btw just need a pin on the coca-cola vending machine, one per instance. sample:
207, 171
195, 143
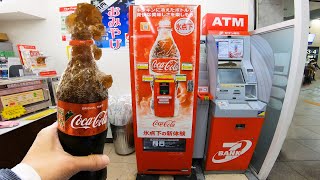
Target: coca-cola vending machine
164, 54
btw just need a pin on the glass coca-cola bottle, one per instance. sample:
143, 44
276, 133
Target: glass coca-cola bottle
83, 91
164, 58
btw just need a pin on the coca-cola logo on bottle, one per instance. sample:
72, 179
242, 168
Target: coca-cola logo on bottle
168, 123
165, 65
78, 122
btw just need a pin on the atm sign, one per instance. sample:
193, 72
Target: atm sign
224, 22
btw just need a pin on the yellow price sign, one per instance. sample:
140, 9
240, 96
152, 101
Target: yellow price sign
147, 78
143, 66
187, 66
181, 78
12, 112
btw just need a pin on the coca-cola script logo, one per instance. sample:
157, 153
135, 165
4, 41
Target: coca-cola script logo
165, 65
78, 122
168, 123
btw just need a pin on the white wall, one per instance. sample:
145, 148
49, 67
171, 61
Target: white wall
46, 35
315, 29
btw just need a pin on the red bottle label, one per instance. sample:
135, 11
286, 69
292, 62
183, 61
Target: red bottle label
82, 119
165, 65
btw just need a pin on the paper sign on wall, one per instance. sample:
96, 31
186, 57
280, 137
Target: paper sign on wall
64, 12
115, 19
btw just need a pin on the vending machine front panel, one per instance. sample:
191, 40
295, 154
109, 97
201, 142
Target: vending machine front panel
164, 55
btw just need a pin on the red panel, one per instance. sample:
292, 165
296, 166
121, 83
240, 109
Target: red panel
163, 162
232, 142
164, 110
224, 22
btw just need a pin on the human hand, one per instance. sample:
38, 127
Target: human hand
47, 157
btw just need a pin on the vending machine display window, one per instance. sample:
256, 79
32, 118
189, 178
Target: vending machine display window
164, 88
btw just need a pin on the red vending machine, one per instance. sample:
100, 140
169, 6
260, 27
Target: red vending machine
164, 55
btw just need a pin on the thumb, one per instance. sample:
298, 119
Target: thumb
93, 162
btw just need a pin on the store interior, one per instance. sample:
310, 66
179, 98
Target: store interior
239, 101
299, 157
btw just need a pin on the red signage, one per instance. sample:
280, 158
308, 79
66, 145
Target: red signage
225, 22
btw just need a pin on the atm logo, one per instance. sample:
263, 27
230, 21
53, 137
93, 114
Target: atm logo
228, 21
235, 150
225, 22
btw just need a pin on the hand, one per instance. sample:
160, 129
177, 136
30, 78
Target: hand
47, 157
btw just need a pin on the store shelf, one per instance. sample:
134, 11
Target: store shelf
21, 10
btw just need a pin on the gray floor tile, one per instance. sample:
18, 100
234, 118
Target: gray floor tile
306, 120
308, 169
315, 129
298, 132
281, 171
306, 112
294, 151
312, 144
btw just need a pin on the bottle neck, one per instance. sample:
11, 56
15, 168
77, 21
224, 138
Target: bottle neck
81, 53
164, 33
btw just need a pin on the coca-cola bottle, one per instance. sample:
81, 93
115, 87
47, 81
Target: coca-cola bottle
83, 91
164, 59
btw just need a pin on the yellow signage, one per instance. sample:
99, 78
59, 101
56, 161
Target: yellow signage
68, 50
228, 85
143, 66
147, 78
164, 77
24, 98
12, 112
41, 114
186, 66
164, 81
261, 114
181, 78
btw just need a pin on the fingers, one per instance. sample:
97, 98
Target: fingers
92, 162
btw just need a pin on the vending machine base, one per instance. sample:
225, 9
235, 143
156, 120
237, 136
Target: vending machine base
164, 156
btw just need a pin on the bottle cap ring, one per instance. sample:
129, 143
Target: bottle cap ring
80, 42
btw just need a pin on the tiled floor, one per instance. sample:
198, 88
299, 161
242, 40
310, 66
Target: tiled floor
120, 167
299, 158
125, 168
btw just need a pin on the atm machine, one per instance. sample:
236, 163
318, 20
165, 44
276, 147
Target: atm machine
237, 115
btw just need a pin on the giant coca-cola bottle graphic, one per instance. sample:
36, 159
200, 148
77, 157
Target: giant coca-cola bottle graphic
164, 59
83, 91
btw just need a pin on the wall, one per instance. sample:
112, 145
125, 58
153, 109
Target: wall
314, 5
270, 12
315, 29
45, 34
